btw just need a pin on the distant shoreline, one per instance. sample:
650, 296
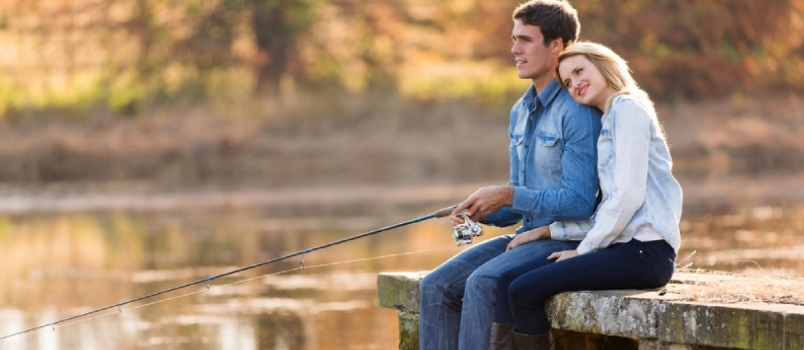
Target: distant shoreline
415, 145
701, 195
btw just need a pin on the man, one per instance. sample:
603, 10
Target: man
553, 178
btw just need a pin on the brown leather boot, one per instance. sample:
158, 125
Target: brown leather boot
533, 342
501, 338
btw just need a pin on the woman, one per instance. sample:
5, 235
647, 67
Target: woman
632, 239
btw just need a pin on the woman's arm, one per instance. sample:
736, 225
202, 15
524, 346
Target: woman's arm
631, 138
570, 230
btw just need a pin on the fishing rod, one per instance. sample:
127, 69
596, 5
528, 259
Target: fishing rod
460, 232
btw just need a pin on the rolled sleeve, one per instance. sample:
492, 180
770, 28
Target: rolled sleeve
570, 230
502, 218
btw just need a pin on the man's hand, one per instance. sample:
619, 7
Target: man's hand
483, 202
563, 255
529, 236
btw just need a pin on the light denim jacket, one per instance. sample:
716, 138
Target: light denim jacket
553, 160
636, 180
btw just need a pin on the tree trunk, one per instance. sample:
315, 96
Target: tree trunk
274, 42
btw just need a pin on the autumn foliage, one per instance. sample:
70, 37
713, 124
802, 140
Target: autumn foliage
127, 55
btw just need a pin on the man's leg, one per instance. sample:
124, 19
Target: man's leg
442, 294
481, 290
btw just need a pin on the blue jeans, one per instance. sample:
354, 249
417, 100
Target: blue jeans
458, 297
631, 265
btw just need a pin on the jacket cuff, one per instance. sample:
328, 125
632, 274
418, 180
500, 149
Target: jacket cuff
585, 248
570, 230
522, 200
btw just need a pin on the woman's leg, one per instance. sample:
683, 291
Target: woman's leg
631, 265
531, 256
480, 292
502, 310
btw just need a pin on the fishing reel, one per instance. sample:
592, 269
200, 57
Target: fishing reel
463, 233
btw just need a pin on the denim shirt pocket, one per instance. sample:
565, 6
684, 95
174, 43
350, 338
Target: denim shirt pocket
548, 151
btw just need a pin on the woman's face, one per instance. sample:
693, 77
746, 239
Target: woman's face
584, 81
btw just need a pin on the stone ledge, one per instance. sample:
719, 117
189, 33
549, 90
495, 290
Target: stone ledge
652, 320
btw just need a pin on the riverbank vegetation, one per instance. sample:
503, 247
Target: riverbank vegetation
378, 140
276, 92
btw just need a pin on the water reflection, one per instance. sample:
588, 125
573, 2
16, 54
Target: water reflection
764, 240
59, 265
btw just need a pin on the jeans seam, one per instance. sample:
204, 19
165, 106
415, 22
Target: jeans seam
650, 275
594, 272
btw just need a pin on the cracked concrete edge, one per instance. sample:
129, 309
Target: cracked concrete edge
399, 290
642, 315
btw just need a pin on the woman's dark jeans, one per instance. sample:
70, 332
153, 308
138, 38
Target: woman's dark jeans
631, 265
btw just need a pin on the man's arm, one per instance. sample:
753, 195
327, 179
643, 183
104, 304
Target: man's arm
503, 217
497, 209
575, 200
488, 202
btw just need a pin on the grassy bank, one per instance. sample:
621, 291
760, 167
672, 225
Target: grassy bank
342, 139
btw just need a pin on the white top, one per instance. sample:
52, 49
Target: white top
646, 233
636, 182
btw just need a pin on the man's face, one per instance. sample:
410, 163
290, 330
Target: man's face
534, 60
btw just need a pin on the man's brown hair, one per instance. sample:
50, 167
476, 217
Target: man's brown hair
557, 19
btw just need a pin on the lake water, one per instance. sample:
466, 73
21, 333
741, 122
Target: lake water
63, 257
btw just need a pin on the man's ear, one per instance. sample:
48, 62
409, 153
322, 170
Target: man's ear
557, 45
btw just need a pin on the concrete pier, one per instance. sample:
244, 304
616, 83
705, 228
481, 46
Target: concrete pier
635, 319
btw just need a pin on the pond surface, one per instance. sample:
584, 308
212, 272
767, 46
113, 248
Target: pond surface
58, 264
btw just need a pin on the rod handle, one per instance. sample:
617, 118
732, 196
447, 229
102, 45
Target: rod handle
445, 212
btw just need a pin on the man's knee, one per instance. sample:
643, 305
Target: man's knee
480, 281
436, 283
428, 283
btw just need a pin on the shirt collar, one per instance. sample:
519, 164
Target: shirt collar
545, 97
550, 92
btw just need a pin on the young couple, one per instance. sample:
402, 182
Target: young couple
584, 124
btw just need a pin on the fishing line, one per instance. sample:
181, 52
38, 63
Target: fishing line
251, 279
438, 214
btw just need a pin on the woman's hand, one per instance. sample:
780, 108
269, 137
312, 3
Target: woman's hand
563, 255
529, 236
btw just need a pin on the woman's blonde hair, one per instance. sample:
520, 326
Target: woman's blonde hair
613, 68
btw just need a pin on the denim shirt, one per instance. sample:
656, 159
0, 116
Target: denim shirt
636, 180
553, 160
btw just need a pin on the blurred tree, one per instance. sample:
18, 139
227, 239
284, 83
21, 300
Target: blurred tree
277, 25
701, 48
126, 55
